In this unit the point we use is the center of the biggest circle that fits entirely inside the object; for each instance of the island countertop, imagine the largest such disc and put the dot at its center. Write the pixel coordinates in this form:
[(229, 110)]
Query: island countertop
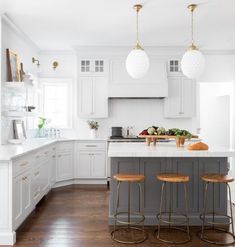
[(163, 150)]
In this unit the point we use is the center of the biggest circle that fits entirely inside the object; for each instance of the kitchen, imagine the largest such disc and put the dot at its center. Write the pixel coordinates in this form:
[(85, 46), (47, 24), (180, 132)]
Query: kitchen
[(75, 80)]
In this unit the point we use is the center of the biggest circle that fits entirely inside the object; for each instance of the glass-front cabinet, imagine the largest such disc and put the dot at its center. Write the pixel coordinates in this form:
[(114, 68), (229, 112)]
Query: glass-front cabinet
[(91, 66)]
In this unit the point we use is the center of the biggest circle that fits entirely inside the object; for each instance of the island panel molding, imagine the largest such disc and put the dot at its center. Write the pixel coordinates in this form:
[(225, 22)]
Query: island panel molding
[(194, 167)]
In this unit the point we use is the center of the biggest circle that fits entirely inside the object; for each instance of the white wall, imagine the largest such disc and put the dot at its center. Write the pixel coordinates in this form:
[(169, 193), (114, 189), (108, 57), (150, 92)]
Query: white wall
[(14, 39), (139, 113)]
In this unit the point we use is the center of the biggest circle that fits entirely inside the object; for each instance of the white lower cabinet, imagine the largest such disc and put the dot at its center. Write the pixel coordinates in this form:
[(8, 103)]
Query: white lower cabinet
[(91, 160), (45, 175), (21, 198), (91, 164), (53, 166), (64, 165)]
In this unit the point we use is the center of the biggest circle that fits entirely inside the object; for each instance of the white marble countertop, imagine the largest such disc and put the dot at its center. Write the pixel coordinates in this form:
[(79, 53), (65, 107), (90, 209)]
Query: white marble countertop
[(11, 151), (163, 150)]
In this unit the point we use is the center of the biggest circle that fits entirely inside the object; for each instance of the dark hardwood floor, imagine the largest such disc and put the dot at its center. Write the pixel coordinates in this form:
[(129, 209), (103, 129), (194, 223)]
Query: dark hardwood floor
[(77, 216)]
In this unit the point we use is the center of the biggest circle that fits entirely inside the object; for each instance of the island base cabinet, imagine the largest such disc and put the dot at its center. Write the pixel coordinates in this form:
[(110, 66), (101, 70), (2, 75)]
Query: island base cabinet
[(21, 198), (150, 167)]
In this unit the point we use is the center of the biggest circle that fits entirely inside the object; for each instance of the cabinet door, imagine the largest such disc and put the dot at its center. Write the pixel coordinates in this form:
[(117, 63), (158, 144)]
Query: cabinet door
[(84, 165), (85, 66), (86, 96), (100, 97), (26, 192), (98, 165), (53, 169), (36, 185), (172, 104), (64, 166), (45, 175), (181, 102), (17, 201), (188, 98)]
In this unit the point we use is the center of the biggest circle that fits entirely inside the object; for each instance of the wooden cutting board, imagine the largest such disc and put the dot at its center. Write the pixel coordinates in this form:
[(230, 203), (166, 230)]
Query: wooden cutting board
[(153, 138)]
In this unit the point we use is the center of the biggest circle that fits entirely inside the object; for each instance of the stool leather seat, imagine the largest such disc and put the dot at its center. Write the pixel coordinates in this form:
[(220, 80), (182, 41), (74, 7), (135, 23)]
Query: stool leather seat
[(217, 178), (129, 177), (172, 177)]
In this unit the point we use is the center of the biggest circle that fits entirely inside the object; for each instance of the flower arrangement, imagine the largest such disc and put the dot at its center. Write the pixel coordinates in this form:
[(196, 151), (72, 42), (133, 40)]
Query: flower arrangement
[(93, 125), (42, 122)]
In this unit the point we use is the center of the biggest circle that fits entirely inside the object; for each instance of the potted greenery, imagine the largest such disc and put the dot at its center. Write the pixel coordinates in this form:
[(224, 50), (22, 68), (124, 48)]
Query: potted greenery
[(93, 125), (181, 135), (41, 124)]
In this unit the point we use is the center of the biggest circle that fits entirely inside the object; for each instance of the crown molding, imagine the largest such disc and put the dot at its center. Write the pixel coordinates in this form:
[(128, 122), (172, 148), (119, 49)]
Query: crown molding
[(10, 23)]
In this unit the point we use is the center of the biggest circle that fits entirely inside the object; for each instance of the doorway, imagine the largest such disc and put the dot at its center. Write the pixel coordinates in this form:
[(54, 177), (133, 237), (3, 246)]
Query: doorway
[(216, 119)]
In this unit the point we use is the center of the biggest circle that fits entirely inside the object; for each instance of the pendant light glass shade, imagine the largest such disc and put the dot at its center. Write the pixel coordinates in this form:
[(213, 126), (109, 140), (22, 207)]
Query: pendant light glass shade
[(193, 64), (137, 62), (193, 61)]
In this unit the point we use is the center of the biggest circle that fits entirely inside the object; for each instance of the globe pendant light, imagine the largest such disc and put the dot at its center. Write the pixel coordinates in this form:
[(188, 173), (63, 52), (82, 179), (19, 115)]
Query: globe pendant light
[(193, 61), (137, 62)]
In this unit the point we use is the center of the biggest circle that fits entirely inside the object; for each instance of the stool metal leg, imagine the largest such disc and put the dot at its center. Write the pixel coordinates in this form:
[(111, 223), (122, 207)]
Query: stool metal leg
[(231, 209), (128, 224), (160, 213), (129, 204), (117, 206), (204, 210), (186, 208), (213, 223), (170, 222)]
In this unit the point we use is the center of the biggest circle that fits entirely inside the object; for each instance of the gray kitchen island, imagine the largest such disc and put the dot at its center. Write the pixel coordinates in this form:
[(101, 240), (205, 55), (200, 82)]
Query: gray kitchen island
[(138, 158)]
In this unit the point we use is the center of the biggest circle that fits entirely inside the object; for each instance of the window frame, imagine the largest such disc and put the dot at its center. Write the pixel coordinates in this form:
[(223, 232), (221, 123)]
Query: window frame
[(51, 81)]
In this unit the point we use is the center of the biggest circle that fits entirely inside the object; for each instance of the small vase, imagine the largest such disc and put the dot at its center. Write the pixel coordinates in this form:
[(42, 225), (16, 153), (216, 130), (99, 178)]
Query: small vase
[(93, 133)]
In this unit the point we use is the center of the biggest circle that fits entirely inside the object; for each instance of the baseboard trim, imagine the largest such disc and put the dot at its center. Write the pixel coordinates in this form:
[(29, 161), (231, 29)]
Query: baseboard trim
[(8, 238), (79, 181)]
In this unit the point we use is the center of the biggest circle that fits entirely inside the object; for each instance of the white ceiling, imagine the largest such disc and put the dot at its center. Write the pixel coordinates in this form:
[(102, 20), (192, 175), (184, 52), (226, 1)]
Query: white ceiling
[(63, 24)]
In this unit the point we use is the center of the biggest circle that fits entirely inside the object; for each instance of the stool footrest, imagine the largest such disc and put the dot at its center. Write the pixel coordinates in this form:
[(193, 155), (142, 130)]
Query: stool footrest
[(141, 216), (216, 223), (136, 241), (172, 215), (186, 240), (201, 235)]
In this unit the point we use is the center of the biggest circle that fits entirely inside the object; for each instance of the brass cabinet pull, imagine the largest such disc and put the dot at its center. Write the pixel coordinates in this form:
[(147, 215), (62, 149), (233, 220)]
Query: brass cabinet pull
[(53, 148), (91, 146), (45, 152), (37, 156), (59, 155), (24, 178), (53, 156), (24, 164)]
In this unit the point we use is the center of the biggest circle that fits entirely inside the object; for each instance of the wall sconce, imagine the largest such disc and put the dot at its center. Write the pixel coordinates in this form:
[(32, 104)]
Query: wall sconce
[(34, 60), (55, 65)]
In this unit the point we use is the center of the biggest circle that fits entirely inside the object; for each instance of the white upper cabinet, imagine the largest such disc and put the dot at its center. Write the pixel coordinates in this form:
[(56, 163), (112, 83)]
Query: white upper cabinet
[(93, 99), (93, 66), (153, 84), (173, 67), (181, 102)]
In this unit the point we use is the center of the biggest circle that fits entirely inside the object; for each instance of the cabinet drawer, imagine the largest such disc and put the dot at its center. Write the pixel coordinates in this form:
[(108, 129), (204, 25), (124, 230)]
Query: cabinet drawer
[(21, 164), (65, 146), (92, 145)]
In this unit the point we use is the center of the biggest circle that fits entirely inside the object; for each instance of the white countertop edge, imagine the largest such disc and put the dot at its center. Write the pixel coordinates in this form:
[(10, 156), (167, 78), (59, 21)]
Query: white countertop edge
[(10, 152)]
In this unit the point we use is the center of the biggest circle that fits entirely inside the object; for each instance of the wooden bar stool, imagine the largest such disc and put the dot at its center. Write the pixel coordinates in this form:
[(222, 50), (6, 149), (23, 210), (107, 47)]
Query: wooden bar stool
[(173, 178), (129, 227), (215, 179)]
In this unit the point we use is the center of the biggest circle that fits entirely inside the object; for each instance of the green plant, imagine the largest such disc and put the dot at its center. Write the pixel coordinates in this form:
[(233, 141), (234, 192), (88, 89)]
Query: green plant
[(42, 122), (93, 124)]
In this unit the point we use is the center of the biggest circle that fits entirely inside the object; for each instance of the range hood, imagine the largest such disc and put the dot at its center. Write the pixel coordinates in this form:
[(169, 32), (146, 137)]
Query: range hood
[(153, 85)]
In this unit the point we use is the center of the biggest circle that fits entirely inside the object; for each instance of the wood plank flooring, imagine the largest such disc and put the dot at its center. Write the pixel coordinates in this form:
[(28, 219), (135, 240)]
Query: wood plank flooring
[(77, 216)]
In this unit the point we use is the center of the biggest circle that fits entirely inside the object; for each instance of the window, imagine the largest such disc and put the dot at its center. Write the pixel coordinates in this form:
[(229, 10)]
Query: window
[(56, 105), (174, 66)]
